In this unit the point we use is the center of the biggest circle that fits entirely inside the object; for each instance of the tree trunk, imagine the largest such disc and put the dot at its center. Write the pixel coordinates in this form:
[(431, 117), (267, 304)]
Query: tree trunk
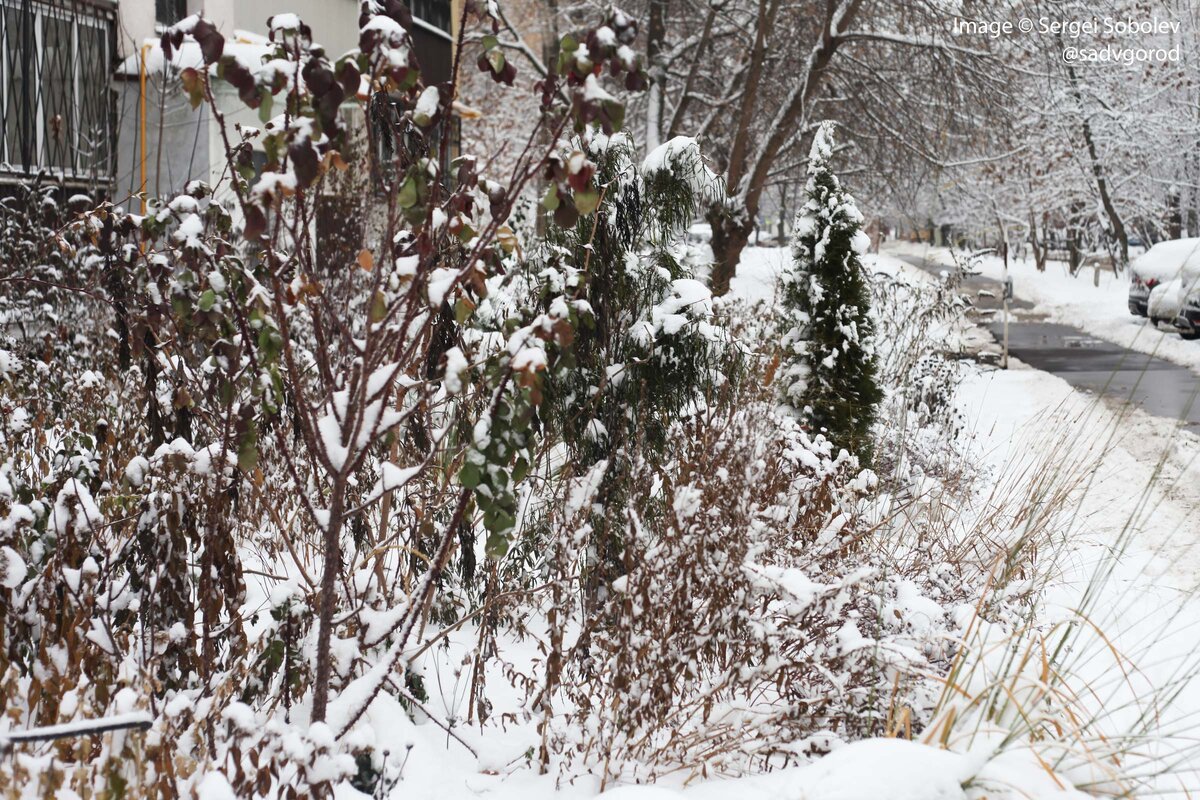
[(1174, 215), (1073, 248), (550, 59), (783, 211), (655, 36), (730, 235), (747, 176), (1110, 209), (1039, 253)]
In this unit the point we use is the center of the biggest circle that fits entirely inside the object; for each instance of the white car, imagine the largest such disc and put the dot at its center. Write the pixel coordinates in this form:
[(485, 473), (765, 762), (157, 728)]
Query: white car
[(1177, 260), (1165, 301)]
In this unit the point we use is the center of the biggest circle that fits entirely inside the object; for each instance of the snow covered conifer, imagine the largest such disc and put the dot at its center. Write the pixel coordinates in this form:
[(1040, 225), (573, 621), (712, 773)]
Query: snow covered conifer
[(828, 372)]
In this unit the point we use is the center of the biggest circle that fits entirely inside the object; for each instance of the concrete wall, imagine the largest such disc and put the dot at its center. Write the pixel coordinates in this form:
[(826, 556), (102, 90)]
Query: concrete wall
[(334, 23), (177, 141), (182, 143), (135, 24)]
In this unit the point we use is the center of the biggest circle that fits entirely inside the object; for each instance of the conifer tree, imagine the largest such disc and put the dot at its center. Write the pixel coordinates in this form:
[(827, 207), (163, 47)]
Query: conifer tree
[(828, 372)]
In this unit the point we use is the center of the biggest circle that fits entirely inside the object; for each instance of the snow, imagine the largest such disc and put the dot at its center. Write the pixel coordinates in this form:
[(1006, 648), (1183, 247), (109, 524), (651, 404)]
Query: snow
[(330, 431), (682, 154), (386, 25), (594, 92), (75, 508), (215, 786), (9, 364), (393, 477), (427, 105), (12, 568), (1166, 300), (1168, 260), (249, 49), (128, 719), (285, 22), (456, 368), (440, 281)]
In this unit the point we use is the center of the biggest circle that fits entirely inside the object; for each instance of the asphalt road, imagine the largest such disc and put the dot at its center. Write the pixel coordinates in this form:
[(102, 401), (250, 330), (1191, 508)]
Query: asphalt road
[(1157, 386)]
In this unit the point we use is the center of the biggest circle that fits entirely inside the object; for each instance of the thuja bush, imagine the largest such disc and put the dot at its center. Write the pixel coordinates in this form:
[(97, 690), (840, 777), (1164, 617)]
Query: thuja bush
[(648, 350), (829, 369)]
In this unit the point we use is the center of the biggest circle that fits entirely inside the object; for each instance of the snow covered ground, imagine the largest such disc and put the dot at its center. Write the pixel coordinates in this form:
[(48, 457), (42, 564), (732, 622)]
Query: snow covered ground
[(1099, 310)]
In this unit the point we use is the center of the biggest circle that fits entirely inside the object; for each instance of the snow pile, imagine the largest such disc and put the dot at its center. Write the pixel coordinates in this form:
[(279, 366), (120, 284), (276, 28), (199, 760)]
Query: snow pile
[(250, 49)]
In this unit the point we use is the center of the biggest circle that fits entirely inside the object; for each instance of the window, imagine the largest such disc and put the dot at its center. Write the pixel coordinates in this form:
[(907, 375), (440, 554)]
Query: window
[(168, 12), (54, 89), (20, 62), (435, 12), (58, 91)]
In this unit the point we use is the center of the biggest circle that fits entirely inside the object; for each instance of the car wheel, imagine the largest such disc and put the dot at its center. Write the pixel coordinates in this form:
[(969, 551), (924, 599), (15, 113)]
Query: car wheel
[(1154, 321), (1189, 335)]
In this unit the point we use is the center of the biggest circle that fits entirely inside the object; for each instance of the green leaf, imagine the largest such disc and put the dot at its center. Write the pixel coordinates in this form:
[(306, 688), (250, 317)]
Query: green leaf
[(499, 521), (264, 108), (497, 546), (408, 193), (490, 42), (207, 300), (247, 457), (496, 60), (586, 201), (469, 475), (463, 309), (568, 44), (615, 112), (270, 344), (550, 199), (520, 470), (378, 307)]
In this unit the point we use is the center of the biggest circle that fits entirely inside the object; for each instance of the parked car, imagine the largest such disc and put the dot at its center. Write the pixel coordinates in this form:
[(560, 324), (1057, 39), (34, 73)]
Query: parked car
[(1162, 263), (1166, 301), (1187, 321)]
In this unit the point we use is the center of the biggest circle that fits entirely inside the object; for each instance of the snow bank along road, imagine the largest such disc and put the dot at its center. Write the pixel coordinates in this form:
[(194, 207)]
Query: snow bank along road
[(1119, 374)]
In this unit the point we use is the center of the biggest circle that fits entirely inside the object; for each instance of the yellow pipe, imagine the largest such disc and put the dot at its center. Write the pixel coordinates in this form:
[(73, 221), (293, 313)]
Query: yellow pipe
[(142, 80)]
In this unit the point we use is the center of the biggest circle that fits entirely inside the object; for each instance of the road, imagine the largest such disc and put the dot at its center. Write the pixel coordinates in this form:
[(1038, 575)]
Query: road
[(1155, 385)]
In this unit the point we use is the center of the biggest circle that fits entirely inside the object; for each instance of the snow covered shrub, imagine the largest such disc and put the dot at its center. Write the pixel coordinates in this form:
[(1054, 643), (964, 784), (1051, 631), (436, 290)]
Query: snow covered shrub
[(912, 317), (253, 511), (829, 367), (920, 431), (753, 624), (647, 349)]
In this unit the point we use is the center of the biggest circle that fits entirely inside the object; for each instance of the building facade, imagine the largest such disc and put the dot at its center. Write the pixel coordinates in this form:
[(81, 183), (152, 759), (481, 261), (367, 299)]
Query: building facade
[(87, 102), (163, 142)]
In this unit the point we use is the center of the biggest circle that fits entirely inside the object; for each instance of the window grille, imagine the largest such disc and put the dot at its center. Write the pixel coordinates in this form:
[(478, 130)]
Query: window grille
[(435, 12), (55, 94), (168, 12)]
